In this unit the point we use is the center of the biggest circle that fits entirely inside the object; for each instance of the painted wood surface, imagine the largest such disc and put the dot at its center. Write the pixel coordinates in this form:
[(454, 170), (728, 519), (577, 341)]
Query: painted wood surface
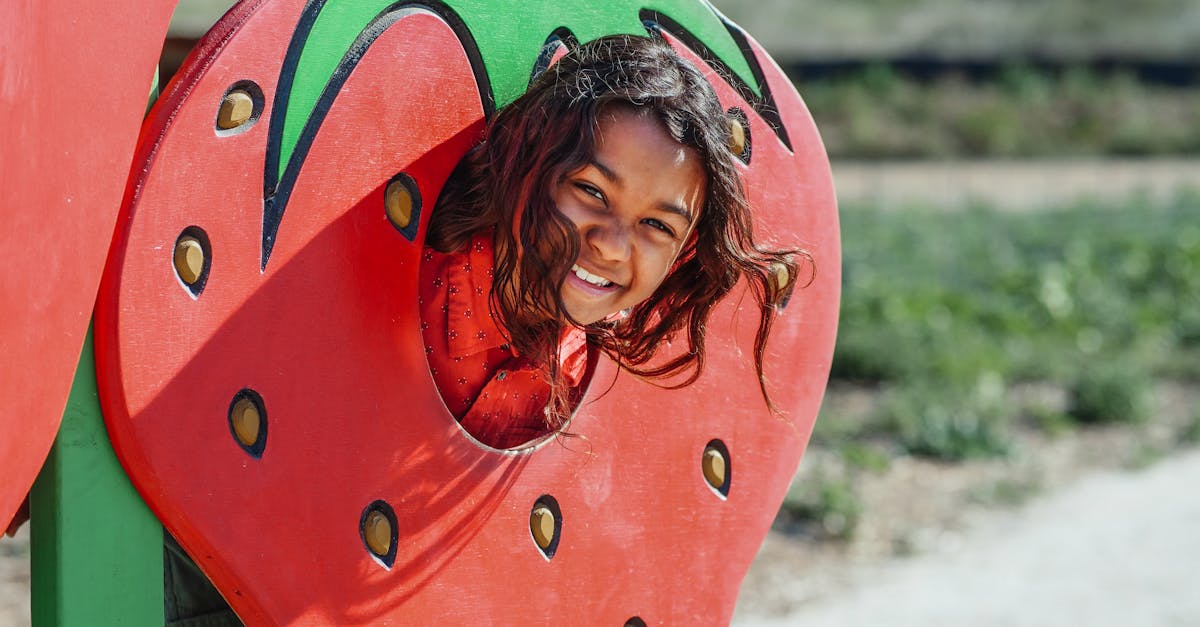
[(70, 122), (96, 548), (353, 447)]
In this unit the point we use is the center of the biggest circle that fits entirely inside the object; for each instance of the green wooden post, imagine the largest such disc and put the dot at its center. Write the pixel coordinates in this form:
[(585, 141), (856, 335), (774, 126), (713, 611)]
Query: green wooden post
[(96, 548)]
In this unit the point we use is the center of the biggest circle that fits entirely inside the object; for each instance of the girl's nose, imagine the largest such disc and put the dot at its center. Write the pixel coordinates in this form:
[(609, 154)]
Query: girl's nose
[(610, 240)]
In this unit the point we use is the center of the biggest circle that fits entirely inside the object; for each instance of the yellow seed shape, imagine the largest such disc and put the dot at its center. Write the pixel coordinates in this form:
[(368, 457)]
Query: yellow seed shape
[(737, 136), (780, 277), (246, 421), (236, 109), (541, 523), (189, 259), (398, 202), (714, 467), (377, 529)]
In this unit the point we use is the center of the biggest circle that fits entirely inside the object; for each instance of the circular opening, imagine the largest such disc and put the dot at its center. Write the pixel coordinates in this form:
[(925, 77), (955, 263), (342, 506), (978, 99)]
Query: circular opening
[(716, 468), (545, 525), (248, 422), (191, 257), (240, 108), (378, 530), (635, 621), (499, 398)]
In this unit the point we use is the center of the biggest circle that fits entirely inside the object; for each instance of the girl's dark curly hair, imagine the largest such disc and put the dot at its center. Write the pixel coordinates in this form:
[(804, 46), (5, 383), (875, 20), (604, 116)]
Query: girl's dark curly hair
[(549, 132)]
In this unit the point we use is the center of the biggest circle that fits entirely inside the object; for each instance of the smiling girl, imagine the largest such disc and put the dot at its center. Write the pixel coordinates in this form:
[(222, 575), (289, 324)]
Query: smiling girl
[(603, 213)]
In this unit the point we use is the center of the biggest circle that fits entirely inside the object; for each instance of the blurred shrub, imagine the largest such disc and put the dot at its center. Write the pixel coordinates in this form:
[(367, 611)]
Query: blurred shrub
[(1190, 434), (950, 424), (1051, 421), (876, 112), (944, 298), (1110, 393), (821, 505)]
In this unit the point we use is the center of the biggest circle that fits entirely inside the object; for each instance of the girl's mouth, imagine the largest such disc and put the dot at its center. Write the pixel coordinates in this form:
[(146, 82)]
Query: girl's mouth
[(591, 279)]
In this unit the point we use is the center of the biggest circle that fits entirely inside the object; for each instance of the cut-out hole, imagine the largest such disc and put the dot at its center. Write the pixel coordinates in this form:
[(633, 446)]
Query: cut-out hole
[(545, 525), (716, 467), (448, 294), (378, 530), (739, 134), (248, 422), (635, 622), (240, 108), (192, 258), (402, 204)]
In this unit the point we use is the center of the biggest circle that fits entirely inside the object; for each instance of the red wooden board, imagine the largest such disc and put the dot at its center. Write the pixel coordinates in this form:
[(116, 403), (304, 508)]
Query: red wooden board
[(328, 335), (74, 79)]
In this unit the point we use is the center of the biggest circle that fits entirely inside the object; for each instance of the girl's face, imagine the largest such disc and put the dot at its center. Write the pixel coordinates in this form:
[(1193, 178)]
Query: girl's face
[(634, 204)]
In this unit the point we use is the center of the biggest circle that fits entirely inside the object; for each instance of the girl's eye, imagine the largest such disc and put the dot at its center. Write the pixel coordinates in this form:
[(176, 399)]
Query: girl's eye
[(590, 190), (661, 226)]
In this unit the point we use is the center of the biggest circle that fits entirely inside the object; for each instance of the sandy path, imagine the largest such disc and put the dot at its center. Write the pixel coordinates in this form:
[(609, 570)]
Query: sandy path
[(14, 579), (1025, 184), (1117, 548)]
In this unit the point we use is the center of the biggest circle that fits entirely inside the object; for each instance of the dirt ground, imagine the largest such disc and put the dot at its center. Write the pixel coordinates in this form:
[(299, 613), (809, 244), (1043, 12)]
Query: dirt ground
[(14, 579), (1104, 512), (1116, 548)]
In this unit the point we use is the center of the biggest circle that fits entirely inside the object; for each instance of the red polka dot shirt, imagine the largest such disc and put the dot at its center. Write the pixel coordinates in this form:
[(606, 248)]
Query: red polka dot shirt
[(498, 396)]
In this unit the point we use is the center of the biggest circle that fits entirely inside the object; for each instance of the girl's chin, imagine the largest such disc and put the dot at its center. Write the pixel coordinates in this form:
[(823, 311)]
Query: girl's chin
[(589, 303), (585, 315)]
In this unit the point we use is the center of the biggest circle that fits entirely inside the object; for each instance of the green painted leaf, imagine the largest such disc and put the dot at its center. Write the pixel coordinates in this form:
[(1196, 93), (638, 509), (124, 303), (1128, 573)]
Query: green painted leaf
[(509, 39)]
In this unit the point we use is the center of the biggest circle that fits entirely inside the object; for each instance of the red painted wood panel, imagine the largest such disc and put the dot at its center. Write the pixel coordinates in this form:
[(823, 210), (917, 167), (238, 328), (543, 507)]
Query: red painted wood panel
[(74, 80), (328, 336)]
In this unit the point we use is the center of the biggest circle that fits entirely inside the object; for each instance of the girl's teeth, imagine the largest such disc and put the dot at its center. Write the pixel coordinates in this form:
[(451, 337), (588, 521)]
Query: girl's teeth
[(589, 277)]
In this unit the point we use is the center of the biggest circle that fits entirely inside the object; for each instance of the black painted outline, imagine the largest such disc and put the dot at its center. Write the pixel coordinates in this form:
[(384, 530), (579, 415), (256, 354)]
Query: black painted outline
[(201, 236), (277, 189), (550, 503), (409, 232), (384, 508), (260, 442), (723, 489), (277, 192), (559, 38), (763, 105)]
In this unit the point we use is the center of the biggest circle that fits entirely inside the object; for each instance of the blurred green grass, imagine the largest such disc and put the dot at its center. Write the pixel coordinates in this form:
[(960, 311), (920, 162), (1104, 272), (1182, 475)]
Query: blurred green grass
[(876, 112), (946, 311), (1062, 29), (951, 318)]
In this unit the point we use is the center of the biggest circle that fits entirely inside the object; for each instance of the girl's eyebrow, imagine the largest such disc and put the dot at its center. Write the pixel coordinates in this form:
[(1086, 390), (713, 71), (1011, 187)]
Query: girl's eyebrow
[(671, 207), (607, 172), (618, 181)]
